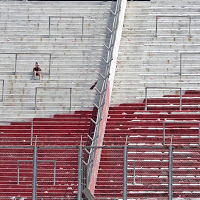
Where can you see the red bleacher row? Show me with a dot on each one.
(142, 128)
(59, 131)
(145, 128)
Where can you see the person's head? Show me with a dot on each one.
(37, 64)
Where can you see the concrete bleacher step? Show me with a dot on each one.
(76, 57)
(152, 55)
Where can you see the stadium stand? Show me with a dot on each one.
(69, 54)
(44, 121)
(144, 131)
(164, 62)
(148, 61)
(150, 147)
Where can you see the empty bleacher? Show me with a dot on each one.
(148, 151)
(167, 61)
(147, 60)
(51, 114)
(62, 37)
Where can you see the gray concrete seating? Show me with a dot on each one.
(148, 61)
(71, 51)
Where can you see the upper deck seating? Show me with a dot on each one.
(67, 39)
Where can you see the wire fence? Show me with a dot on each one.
(125, 172)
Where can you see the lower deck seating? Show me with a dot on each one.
(148, 150)
(63, 161)
(65, 129)
(57, 140)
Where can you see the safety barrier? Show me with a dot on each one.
(17, 55)
(163, 88)
(51, 88)
(173, 16)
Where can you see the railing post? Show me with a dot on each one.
(180, 99)
(32, 133)
(181, 55)
(50, 64)
(34, 193)
(3, 90)
(170, 172)
(164, 133)
(82, 24)
(36, 98)
(145, 98)
(18, 172)
(70, 98)
(190, 19)
(15, 63)
(80, 150)
(133, 172)
(54, 177)
(125, 174)
(49, 26)
(156, 26)
(199, 133)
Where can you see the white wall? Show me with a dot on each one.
(117, 43)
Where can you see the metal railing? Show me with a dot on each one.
(175, 16)
(186, 53)
(102, 91)
(178, 122)
(163, 88)
(9, 122)
(51, 88)
(131, 164)
(16, 59)
(82, 20)
(18, 168)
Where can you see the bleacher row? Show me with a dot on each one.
(62, 37)
(144, 61)
(70, 57)
(150, 62)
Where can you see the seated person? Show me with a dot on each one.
(37, 71)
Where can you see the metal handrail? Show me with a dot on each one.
(180, 89)
(102, 91)
(45, 88)
(16, 58)
(18, 168)
(82, 19)
(179, 122)
(168, 16)
(181, 56)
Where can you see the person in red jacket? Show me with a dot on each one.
(37, 71)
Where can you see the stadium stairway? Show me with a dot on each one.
(70, 55)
